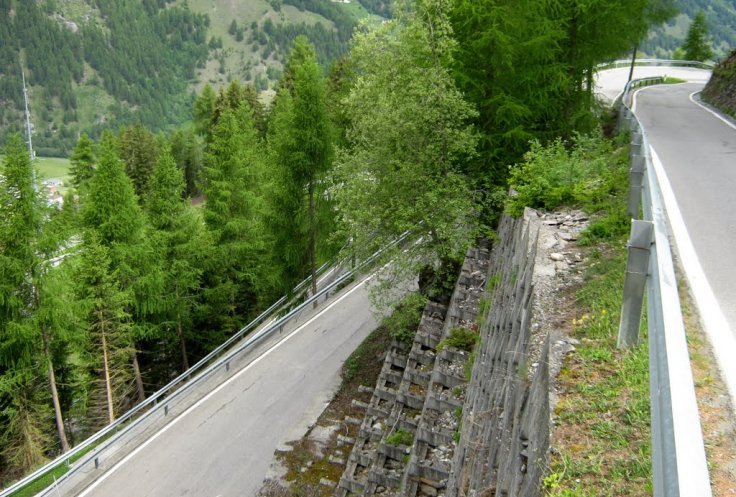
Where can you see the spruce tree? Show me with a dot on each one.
(178, 236)
(35, 315)
(138, 149)
(112, 215)
(82, 161)
(233, 214)
(697, 46)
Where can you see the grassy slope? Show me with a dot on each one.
(240, 55)
(48, 168)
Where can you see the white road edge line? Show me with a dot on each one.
(135, 452)
(728, 123)
(714, 321)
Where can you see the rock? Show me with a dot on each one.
(327, 483)
(556, 256)
(428, 490)
(568, 237)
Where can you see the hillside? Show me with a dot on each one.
(101, 64)
(721, 16)
(721, 89)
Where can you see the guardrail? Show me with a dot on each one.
(219, 359)
(678, 455)
(655, 63)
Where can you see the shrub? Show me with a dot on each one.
(400, 437)
(403, 322)
(558, 174)
(461, 339)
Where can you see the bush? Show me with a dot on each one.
(403, 322)
(400, 437)
(558, 174)
(461, 339)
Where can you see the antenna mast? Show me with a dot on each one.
(28, 115)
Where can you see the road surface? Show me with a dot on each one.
(611, 82)
(225, 445)
(696, 151)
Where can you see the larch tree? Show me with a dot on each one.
(301, 152)
(528, 67)
(697, 46)
(409, 137)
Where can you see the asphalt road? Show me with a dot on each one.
(694, 153)
(224, 446)
(611, 82)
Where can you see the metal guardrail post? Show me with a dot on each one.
(636, 182)
(637, 268)
(636, 141)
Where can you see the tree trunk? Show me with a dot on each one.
(106, 372)
(312, 240)
(182, 343)
(55, 395)
(138, 378)
(633, 62)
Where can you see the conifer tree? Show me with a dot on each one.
(697, 46)
(179, 238)
(112, 215)
(110, 343)
(186, 148)
(25, 437)
(302, 152)
(232, 212)
(82, 161)
(35, 316)
(138, 149)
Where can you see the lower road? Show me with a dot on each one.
(223, 446)
(696, 153)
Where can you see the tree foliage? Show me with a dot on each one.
(301, 152)
(233, 167)
(697, 46)
(408, 139)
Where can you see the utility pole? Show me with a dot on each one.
(28, 115)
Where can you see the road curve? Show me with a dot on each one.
(224, 446)
(697, 151)
(611, 82)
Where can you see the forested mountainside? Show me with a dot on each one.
(413, 131)
(98, 64)
(721, 17)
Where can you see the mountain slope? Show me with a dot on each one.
(721, 16)
(92, 65)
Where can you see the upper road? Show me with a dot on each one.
(224, 445)
(611, 82)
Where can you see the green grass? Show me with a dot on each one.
(49, 478)
(49, 167)
(603, 415)
(400, 437)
